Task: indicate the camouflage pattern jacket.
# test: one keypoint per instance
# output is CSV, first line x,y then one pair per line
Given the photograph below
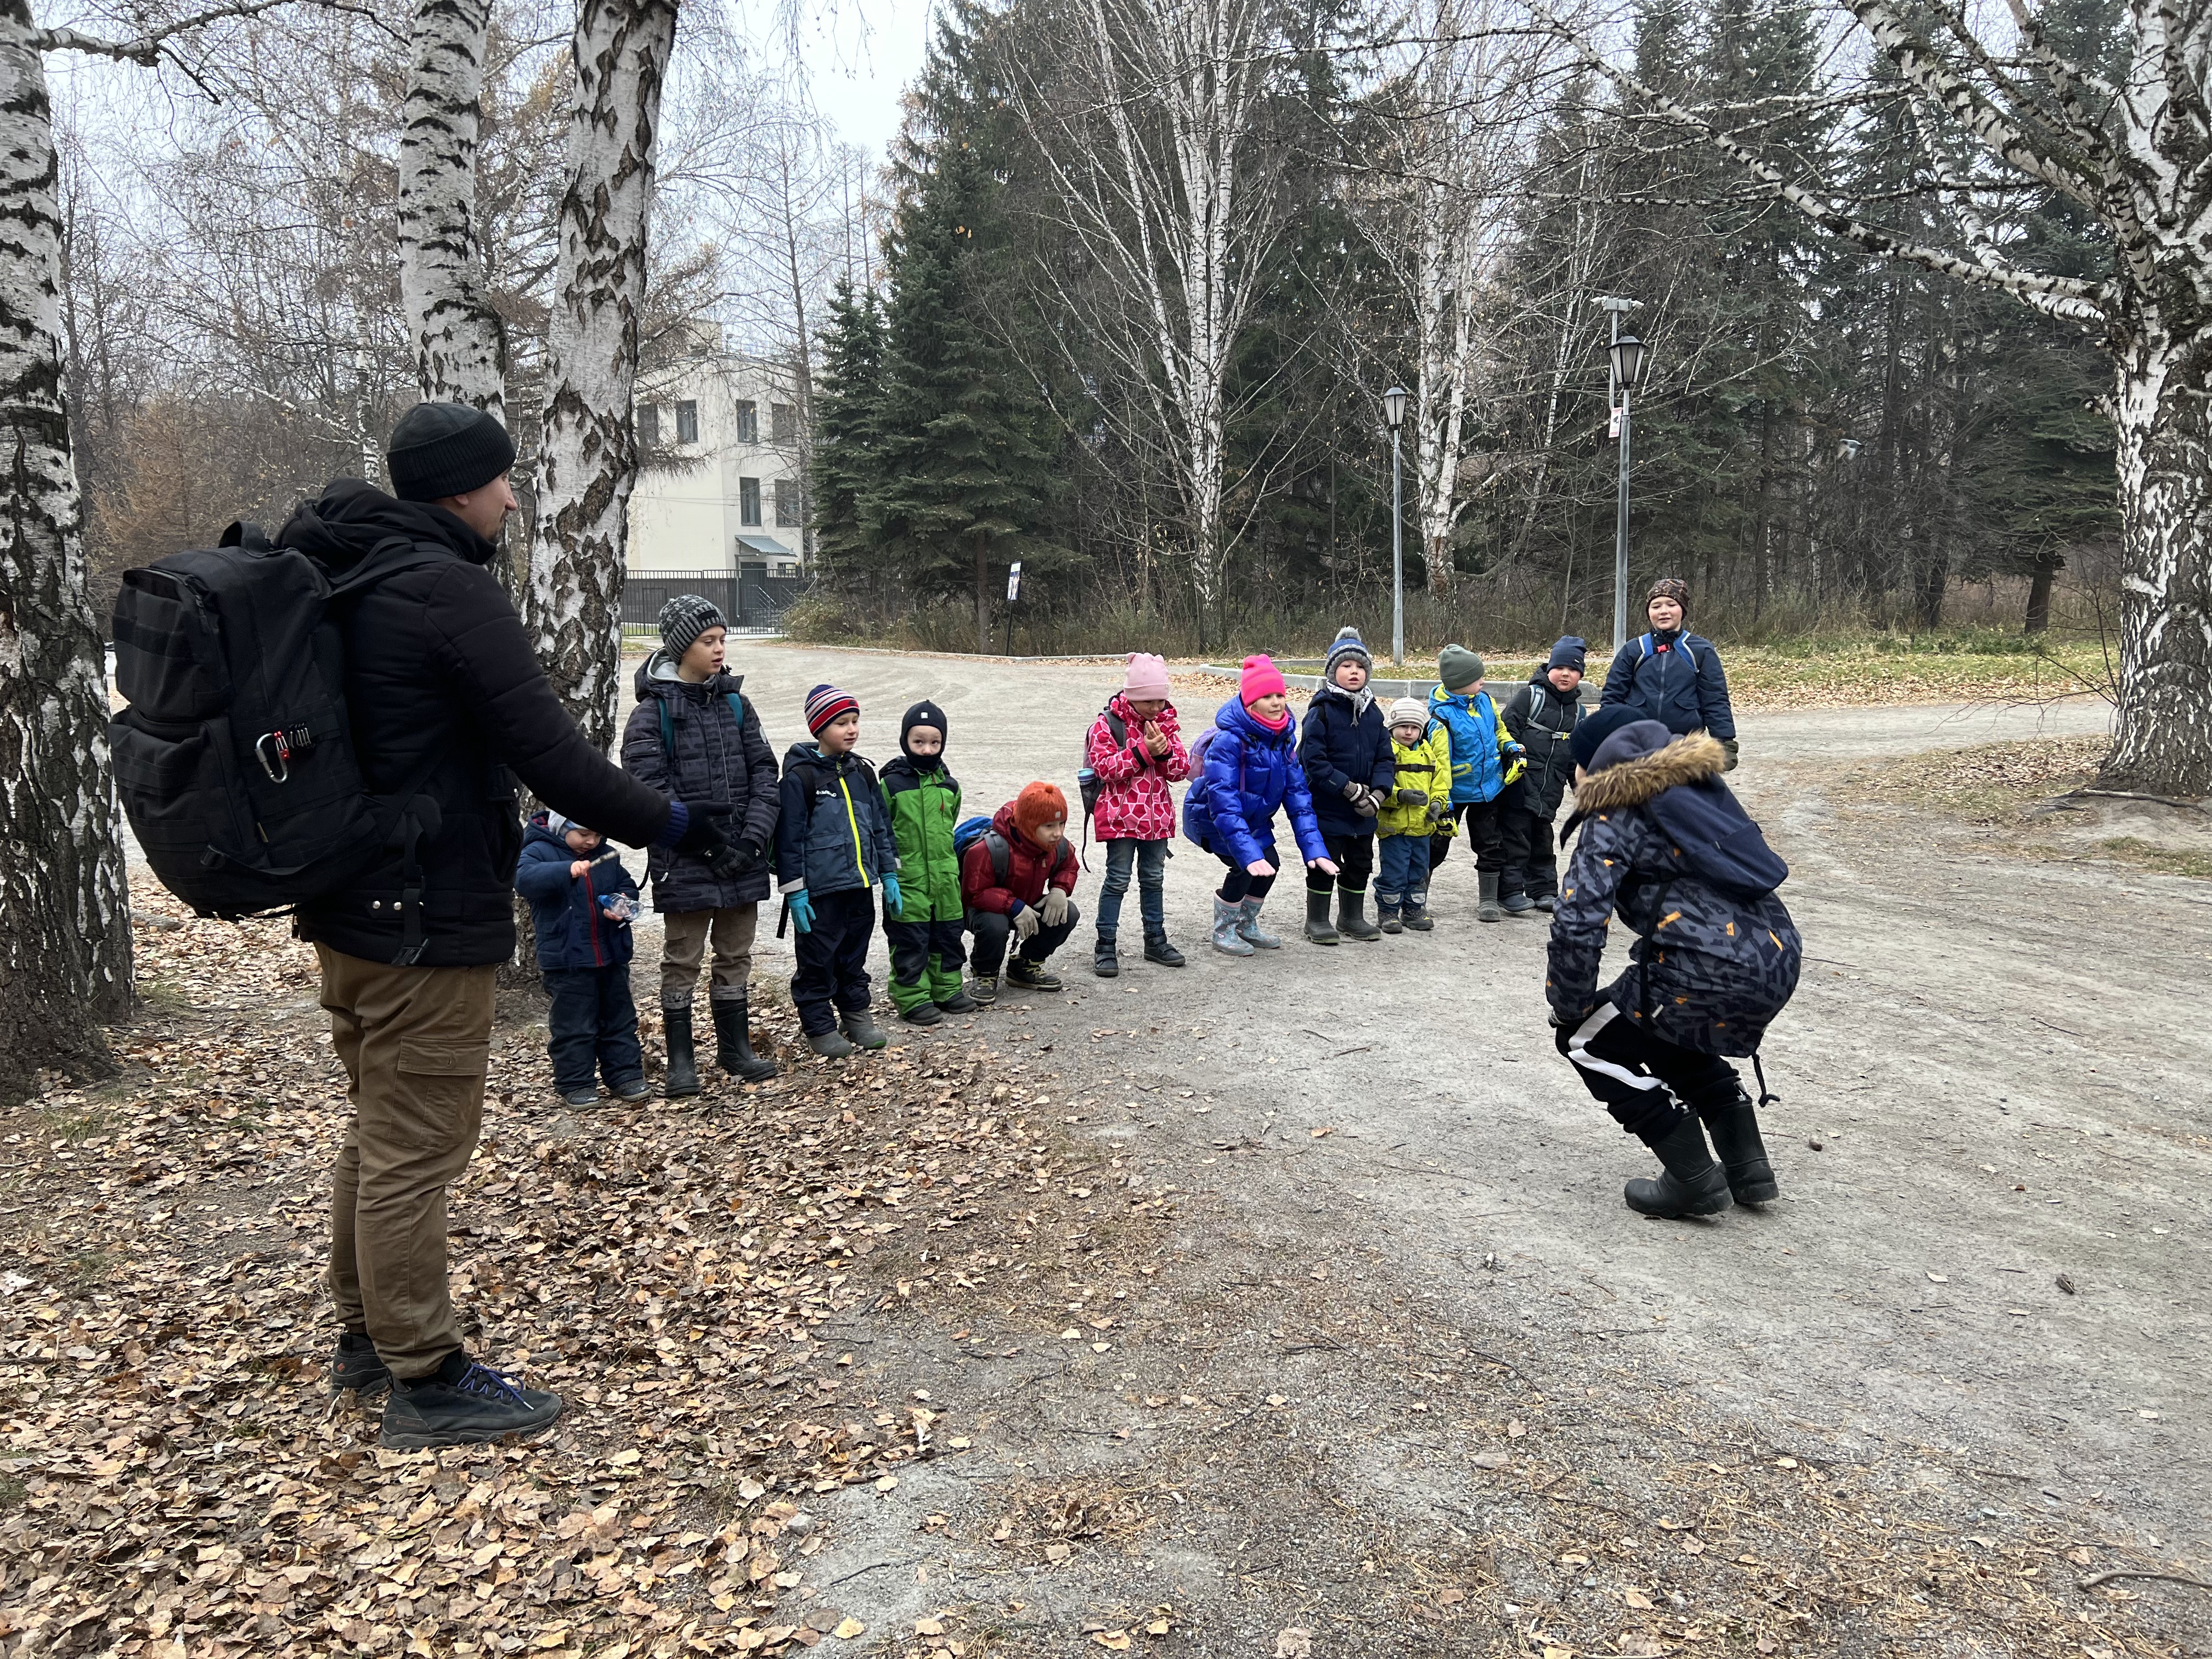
x,y
1715,955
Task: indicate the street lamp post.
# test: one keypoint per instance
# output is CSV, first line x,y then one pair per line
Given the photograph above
x,y
1625,352
1394,411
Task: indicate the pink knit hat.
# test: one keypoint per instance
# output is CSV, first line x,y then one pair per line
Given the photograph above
x,y
1261,679
1146,678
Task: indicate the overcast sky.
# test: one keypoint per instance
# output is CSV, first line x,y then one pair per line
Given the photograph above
x,y
861,54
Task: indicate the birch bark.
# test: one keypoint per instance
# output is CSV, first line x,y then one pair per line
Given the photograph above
x,y
588,461
65,949
460,339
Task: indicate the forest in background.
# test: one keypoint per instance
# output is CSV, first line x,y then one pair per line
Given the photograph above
x,y
1825,442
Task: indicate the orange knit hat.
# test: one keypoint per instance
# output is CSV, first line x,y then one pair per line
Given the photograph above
x,y
1037,804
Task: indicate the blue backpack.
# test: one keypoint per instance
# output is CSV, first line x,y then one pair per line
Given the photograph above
x,y
968,831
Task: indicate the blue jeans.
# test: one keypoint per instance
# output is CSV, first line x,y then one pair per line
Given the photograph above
x,y
1405,868
1150,859
592,1026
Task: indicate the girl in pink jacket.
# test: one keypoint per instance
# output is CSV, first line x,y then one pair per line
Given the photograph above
x,y
1137,752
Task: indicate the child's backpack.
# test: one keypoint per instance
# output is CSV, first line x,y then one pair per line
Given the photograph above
x,y
968,831
1087,775
1643,650
235,761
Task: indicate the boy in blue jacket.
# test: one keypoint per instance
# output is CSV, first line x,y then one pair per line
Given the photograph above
x,y
581,901
1671,675
1345,751
833,843
1485,760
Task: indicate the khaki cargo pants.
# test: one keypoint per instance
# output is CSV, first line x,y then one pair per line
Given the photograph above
x,y
414,1042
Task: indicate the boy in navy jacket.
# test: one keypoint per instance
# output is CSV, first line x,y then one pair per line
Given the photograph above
x,y
581,901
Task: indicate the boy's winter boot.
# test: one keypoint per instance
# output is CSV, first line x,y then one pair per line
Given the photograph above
x,y
1351,915
983,990
863,1030
1031,975
1734,1122
733,1041
1518,904
1103,962
1318,930
1489,909
959,1003
1691,1183
1417,911
1386,912
463,1403
582,1098
830,1044
1156,949
922,1013
1248,929
683,1068
1228,919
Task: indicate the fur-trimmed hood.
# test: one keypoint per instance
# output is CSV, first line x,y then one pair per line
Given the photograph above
x,y
1643,760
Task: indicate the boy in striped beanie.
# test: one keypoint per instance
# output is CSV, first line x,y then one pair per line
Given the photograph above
x,y
833,844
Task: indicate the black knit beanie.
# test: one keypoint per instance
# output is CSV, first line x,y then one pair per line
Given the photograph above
x,y
447,449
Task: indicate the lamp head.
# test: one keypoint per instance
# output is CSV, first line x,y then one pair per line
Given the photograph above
x,y
1627,359
1394,406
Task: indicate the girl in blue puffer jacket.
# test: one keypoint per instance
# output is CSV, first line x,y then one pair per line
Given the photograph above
x,y
1250,770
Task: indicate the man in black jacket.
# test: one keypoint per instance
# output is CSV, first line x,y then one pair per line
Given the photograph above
x,y
446,696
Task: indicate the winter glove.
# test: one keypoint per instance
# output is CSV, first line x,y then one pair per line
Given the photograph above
x,y
1412,798
1439,812
1729,744
737,860
1353,791
802,911
894,901
1368,803
1055,907
1025,918
702,828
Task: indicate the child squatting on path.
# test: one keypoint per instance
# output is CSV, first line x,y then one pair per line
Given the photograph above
x,y
581,901
1135,752
833,843
1248,770
1018,876
1345,751
1666,846
1542,717
695,735
1418,807
928,949
1485,760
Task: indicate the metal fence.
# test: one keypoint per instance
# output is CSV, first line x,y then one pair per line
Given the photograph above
x,y
751,600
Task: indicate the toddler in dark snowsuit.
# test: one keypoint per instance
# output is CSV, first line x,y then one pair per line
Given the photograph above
x,y
1542,716
581,901
1665,845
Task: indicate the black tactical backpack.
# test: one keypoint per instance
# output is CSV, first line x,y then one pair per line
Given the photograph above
x,y
234,760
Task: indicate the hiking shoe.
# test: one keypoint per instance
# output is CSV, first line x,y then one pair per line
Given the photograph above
x,y
831,1045
983,990
1156,949
958,1003
922,1013
864,1031
1386,917
633,1089
358,1367
477,1406
588,1096
1416,913
1029,976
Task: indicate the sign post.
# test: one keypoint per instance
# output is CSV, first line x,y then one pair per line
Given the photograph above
x,y
1013,593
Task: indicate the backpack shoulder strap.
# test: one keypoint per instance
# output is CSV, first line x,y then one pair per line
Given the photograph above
x,y
667,729
1645,648
737,708
1001,856
388,558
1118,727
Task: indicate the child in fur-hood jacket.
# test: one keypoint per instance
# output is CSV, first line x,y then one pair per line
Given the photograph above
x,y
1665,846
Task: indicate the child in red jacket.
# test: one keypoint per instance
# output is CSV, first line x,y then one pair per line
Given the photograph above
x,y
1016,877
1136,750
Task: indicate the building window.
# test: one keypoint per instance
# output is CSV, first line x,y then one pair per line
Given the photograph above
x,y
786,503
748,421
782,423
686,422
648,424
749,503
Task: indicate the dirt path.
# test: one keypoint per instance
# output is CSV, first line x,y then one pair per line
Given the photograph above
x,y
2002,1063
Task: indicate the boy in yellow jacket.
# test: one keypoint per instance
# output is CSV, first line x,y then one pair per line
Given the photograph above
x,y
1418,807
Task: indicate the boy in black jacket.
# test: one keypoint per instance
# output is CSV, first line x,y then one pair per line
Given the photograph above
x,y
1542,716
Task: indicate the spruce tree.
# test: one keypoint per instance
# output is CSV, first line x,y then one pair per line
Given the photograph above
x,y
847,407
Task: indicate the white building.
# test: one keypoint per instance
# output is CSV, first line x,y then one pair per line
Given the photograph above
x,y
720,491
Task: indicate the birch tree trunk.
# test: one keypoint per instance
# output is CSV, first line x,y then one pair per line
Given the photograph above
x,y
65,947
588,461
460,339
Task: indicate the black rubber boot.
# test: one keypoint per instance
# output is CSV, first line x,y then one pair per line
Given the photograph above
x,y
862,1030
1351,917
1691,1183
1489,909
1734,1127
1156,949
733,1043
683,1068
1103,962
1319,929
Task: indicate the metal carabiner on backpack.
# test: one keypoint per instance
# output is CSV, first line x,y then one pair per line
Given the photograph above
x,y
273,743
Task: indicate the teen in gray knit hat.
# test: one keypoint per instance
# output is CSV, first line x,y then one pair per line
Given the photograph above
x,y
684,619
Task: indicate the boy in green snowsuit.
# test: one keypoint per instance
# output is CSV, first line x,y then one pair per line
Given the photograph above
x,y
928,951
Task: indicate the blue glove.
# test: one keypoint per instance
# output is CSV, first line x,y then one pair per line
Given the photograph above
x,y
802,911
892,900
